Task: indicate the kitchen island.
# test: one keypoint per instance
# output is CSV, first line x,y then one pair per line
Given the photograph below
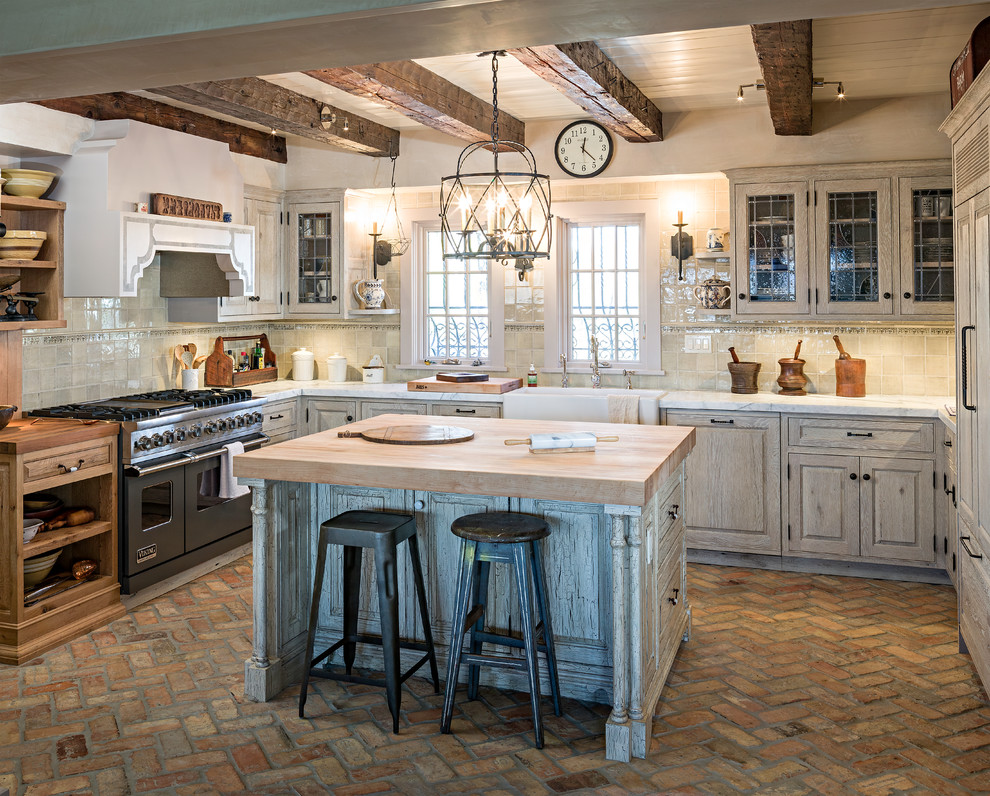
x,y
615,556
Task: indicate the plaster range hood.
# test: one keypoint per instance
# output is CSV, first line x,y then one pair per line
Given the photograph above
x,y
108,247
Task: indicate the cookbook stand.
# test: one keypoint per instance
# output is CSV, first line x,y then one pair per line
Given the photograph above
x,y
219,370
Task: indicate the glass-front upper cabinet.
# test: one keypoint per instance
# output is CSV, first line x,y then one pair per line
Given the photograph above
x,y
925,206
313,279
771,249
853,247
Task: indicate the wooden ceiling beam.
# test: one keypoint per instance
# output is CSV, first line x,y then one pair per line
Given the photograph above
x,y
424,96
242,140
784,53
588,77
255,100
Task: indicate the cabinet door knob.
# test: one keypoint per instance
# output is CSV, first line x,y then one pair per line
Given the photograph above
x,y
672,511
350,418
673,600
853,476
907,295
742,296
419,505
866,476
333,298
886,295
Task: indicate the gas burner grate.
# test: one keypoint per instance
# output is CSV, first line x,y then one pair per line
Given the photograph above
x,y
142,406
198,398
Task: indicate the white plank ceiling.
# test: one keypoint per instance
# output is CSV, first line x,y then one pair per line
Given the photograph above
x,y
879,55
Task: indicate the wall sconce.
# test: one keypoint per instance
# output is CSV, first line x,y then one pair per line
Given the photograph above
x,y
681,245
328,119
816,82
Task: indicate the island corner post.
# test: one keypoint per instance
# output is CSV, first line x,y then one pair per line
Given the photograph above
x,y
616,569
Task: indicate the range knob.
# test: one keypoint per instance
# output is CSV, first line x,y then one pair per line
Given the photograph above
x,y
157,441
196,430
225,423
143,444
241,420
180,434
211,427
257,417
169,437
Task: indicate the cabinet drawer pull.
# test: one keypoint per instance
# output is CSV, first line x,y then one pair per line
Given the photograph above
x,y
947,443
859,433
71,468
275,417
964,541
673,600
722,422
964,367
672,512
466,411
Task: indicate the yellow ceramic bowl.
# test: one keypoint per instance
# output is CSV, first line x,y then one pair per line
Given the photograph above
x,y
21,244
26,182
36,569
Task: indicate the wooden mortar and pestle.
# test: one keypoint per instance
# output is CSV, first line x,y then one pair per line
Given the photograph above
x,y
743,374
850,374
792,380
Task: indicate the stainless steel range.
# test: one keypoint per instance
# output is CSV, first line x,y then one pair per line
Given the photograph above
x,y
174,512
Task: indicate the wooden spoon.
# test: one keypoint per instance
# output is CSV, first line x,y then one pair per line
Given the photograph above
x,y
735,357
797,351
188,355
842,351
200,360
178,351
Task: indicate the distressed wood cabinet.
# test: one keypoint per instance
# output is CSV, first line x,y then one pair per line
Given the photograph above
x,y
262,210
281,420
732,478
322,414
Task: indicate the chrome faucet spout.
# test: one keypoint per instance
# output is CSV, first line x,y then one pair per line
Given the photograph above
x,y
563,375
596,376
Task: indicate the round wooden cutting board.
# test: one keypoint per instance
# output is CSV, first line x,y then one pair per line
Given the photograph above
x,y
412,435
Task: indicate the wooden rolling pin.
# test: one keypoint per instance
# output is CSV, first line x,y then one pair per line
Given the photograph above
x,y
578,442
70,518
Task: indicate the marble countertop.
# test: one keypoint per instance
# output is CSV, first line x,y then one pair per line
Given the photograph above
x,y
880,405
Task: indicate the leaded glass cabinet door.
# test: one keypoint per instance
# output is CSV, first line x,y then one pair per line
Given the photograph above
x,y
313,279
927,250
770,228
853,247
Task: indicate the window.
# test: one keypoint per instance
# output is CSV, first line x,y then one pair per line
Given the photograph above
x,y
603,264
456,306
603,281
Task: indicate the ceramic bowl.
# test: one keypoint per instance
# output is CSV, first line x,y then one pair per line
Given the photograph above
x,y
26,182
6,414
31,528
36,569
21,244
40,501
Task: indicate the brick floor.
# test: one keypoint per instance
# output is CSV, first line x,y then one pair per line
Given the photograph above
x,y
791,684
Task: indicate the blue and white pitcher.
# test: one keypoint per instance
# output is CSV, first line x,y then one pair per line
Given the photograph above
x,y
370,293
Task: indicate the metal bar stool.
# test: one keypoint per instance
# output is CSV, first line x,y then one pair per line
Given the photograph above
x,y
513,539
382,533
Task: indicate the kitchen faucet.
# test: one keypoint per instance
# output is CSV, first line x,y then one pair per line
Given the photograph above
x,y
563,375
596,376
628,374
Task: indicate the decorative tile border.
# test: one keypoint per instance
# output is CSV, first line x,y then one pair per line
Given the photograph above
x,y
777,327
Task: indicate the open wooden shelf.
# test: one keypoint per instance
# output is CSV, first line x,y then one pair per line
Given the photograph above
x,y
69,597
17,325
50,540
19,265
10,202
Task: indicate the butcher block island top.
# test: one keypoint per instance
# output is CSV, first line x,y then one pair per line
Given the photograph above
x,y
627,471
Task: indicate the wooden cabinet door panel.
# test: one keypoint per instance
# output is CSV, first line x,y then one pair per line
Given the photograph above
x,y
897,508
375,408
824,504
967,495
733,473
981,364
324,414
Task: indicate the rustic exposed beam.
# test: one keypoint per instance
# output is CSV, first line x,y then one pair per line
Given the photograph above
x,y
784,52
242,140
422,95
256,100
588,77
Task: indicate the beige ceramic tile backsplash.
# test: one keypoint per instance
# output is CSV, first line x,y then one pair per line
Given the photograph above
x,y
118,346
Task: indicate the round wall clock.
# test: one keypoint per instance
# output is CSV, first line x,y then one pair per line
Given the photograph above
x,y
583,149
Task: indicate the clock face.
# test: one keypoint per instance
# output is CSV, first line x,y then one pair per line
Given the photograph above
x,y
583,149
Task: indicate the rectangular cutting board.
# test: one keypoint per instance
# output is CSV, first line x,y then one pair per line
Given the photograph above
x,y
492,386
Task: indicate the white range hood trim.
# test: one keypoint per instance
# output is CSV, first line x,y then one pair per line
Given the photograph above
x,y
143,235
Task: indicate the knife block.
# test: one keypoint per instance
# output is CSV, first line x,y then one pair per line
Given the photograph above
x,y
792,380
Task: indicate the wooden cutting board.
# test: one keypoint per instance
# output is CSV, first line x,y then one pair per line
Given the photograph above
x,y
492,386
412,435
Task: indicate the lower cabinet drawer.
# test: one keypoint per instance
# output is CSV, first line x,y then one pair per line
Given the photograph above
x,y
460,409
862,435
51,463
280,418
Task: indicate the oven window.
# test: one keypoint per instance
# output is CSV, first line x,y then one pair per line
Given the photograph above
x,y
156,505
208,488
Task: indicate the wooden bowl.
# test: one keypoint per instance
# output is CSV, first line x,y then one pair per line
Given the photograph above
x,y
21,244
26,182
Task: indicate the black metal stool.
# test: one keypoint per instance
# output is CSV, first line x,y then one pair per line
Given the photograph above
x,y
514,539
381,532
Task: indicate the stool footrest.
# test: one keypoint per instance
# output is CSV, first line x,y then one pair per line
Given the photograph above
x,y
326,674
506,641
492,659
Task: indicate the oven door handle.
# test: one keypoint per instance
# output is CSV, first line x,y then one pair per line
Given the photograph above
x,y
138,470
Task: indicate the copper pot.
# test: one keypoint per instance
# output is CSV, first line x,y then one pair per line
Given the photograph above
x,y
6,414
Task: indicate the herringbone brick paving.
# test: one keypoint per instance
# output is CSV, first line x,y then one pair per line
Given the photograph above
x,y
791,684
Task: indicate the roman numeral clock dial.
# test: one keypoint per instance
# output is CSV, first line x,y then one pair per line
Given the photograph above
x,y
583,149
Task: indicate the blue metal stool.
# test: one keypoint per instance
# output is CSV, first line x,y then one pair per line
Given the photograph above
x,y
513,539
382,533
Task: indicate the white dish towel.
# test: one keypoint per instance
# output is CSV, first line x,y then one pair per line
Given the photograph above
x,y
623,408
229,488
